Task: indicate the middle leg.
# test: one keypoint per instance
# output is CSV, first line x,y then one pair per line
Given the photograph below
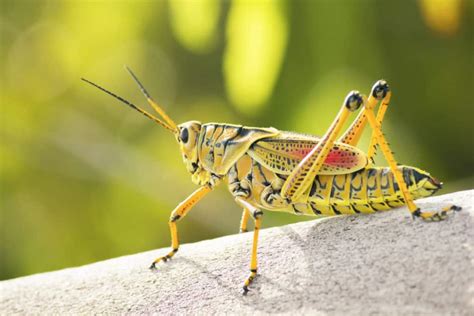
x,y
244,221
257,216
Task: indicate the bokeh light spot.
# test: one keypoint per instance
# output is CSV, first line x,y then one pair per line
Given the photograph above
x,y
194,23
256,41
442,16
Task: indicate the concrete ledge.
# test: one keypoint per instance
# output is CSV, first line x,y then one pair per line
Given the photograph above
x,y
378,264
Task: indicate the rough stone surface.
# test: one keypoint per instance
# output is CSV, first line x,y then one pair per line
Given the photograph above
x,y
384,263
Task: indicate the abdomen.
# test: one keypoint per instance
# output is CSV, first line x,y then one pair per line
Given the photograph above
x,y
365,191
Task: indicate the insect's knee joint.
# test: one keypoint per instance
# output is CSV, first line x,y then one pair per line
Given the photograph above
x,y
257,214
175,218
353,101
240,189
380,89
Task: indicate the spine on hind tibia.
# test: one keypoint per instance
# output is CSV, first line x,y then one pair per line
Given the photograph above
x,y
368,190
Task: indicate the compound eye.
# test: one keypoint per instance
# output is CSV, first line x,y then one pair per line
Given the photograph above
x,y
184,135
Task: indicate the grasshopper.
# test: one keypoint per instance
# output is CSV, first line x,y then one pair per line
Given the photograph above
x,y
265,168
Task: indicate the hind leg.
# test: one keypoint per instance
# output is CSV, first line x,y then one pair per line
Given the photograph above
x,y
304,173
354,132
381,92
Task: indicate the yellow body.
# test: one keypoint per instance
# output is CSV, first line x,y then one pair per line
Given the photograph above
x,y
265,168
255,167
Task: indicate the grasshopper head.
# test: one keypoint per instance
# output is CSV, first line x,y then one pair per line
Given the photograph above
x,y
187,137
186,134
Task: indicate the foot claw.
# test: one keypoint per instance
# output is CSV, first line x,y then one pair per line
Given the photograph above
x,y
154,263
253,275
456,208
436,216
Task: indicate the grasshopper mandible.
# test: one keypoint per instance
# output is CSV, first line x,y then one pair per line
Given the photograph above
x,y
265,168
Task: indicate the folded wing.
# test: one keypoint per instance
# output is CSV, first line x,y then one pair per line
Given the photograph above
x,y
282,153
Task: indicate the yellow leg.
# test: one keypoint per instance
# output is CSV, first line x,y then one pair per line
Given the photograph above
x,y
178,213
354,132
257,216
380,91
381,88
303,175
244,221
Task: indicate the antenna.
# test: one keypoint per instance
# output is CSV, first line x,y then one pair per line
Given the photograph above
x,y
133,106
150,100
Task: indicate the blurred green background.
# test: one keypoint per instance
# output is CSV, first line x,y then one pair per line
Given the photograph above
x,y
84,178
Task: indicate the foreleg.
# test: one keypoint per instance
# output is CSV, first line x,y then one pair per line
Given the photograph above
x,y
178,213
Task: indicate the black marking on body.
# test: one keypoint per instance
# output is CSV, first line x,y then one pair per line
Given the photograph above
x,y
226,142
370,174
396,187
385,173
335,189
244,131
209,140
219,143
335,210
313,189
314,208
334,184
335,194
353,175
418,176
320,185
354,208
353,190
249,175
407,176
296,210
391,205
210,155
371,206
203,136
259,167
